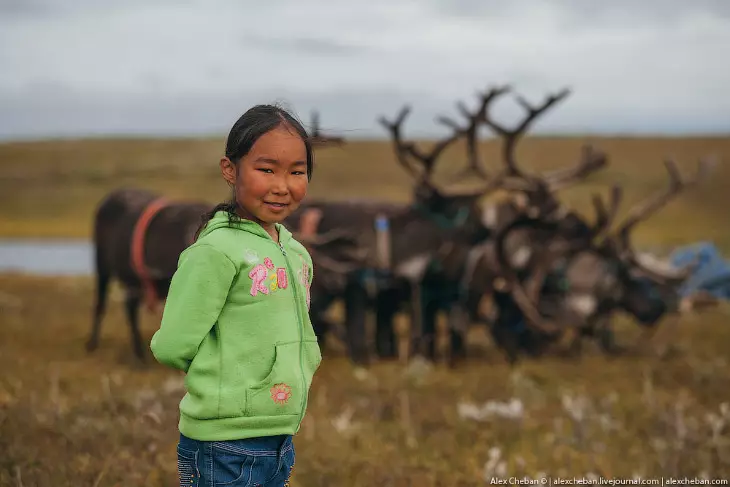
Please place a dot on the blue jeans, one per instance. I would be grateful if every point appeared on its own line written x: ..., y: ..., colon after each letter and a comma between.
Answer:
x: 253, y: 462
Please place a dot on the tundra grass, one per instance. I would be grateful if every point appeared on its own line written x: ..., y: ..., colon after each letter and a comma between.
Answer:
x: 68, y: 418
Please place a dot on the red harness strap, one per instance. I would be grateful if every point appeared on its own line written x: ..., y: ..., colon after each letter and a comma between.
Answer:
x: 138, y: 240
x: 309, y: 221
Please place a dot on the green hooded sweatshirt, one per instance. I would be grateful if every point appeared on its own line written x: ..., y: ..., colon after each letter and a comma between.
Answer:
x: 236, y: 320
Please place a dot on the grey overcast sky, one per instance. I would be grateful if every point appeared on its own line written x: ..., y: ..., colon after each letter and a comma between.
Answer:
x: 187, y: 67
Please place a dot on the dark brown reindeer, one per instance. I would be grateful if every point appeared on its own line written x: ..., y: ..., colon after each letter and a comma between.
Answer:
x: 578, y: 287
x: 162, y: 230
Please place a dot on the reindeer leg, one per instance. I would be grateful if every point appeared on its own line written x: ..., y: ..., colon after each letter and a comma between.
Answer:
x: 430, y: 309
x: 416, y: 320
x: 356, y: 306
x: 607, y: 338
x: 131, y: 304
x: 506, y: 341
x: 386, y: 308
x: 503, y: 330
x: 102, y: 287
x: 458, y: 326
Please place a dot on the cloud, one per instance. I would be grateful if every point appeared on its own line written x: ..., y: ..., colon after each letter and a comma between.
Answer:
x: 311, y: 45
x: 163, y: 66
x: 591, y: 14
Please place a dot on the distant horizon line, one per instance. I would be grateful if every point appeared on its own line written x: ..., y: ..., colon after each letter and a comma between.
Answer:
x: 359, y: 137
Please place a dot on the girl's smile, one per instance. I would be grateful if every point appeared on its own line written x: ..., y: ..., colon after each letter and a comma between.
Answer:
x: 276, y: 207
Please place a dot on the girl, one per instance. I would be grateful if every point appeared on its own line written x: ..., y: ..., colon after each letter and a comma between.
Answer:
x: 236, y: 318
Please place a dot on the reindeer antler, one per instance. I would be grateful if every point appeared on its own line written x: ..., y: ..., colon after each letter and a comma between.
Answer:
x: 527, y: 297
x: 604, y: 217
x: 317, y: 139
x: 591, y: 161
x: 512, y: 135
x: 539, y: 189
x: 407, y: 153
x: 645, y: 209
x: 471, y: 131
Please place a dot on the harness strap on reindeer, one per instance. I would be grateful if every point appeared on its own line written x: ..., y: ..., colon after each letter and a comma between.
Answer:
x: 443, y: 221
x: 380, y: 273
x: 382, y: 232
x: 150, y: 295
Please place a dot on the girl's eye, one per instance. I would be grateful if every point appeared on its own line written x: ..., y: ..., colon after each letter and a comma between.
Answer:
x: 264, y: 169
x: 298, y: 173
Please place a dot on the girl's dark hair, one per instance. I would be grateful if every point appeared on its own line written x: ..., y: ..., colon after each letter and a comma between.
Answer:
x: 256, y: 122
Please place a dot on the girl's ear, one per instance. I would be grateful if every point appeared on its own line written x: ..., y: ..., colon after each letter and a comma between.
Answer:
x: 228, y: 170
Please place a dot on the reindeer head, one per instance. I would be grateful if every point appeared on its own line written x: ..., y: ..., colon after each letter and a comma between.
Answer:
x: 649, y: 286
x: 601, y: 273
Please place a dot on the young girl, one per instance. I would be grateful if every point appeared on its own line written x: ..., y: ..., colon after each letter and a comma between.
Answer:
x: 236, y: 318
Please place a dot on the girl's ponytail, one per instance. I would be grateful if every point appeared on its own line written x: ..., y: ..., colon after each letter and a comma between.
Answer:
x: 229, y: 207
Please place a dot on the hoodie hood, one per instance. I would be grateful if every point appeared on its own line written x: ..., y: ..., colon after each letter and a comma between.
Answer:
x: 221, y: 219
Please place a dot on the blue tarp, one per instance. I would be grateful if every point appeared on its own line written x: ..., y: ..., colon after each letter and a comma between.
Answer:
x: 712, y: 273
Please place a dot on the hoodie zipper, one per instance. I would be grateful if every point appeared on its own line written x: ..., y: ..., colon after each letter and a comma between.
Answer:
x: 301, y: 331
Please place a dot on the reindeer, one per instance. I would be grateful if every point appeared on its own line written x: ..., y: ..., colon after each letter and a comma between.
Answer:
x: 145, y: 267
x: 576, y: 286
x: 537, y: 198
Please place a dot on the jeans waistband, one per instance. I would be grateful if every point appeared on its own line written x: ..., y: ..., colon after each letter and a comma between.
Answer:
x: 273, y: 444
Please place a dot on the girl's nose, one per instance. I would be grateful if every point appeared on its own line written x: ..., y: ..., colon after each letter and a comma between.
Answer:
x: 279, y: 186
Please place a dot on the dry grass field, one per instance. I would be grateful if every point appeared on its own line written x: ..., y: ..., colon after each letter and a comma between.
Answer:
x: 72, y: 419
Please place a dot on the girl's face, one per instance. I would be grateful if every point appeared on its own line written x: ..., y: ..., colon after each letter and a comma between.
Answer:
x: 271, y: 180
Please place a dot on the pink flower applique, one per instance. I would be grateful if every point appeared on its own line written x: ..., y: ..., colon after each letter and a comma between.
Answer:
x: 280, y: 393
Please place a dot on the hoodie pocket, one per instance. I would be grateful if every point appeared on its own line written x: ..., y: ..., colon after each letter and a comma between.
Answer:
x: 280, y: 393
